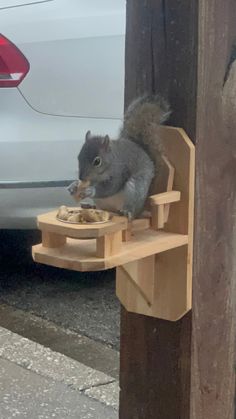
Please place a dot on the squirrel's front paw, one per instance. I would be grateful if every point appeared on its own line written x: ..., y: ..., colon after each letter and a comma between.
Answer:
x: 88, y: 192
x: 80, y: 190
x: 127, y: 213
x: 73, y: 187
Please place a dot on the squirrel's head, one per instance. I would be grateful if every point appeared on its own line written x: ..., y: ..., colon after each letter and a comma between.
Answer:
x: 95, y: 158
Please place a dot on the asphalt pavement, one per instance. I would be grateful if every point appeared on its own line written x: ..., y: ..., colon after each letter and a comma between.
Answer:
x: 81, y: 302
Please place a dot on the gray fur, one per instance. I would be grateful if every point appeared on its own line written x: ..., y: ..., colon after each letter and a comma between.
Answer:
x: 125, y: 167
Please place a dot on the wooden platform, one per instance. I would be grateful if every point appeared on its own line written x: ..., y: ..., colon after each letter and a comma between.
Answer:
x: 153, y: 255
x: 80, y: 255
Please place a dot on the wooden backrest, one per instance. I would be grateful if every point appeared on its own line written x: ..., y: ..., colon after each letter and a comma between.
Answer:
x: 164, y: 179
x: 177, y: 172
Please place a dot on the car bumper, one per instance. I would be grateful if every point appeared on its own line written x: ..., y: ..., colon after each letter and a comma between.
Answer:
x: 21, y: 202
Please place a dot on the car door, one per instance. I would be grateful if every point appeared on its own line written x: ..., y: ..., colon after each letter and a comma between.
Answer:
x: 75, y: 49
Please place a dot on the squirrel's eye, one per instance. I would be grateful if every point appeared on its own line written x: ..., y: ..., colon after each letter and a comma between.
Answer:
x: 97, y: 161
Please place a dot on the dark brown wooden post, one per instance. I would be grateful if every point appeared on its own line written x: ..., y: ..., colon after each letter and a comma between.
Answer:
x: 186, y: 50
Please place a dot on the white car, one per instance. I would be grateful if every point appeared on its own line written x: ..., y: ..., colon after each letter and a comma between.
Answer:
x: 61, y: 74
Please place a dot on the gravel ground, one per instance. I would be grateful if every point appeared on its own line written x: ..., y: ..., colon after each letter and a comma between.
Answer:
x: 81, y: 302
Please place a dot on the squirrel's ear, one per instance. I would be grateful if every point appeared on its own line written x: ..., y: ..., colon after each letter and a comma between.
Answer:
x: 106, y: 142
x: 88, y: 136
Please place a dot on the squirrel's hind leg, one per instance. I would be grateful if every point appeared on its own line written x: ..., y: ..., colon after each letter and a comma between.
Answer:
x: 135, y: 194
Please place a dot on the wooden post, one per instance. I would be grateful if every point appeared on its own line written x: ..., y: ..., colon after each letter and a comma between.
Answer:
x: 186, y: 51
x: 109, y: 244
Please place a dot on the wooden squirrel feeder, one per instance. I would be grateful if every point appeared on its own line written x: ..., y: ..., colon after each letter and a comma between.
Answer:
x: 153, y: 255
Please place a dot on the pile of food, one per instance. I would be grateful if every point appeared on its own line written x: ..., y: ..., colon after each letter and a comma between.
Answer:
x: 82, y: 215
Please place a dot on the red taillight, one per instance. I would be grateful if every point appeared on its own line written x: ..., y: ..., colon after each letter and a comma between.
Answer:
x: 13, y: 64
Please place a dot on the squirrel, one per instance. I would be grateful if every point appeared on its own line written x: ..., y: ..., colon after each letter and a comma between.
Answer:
x: 118, y: 173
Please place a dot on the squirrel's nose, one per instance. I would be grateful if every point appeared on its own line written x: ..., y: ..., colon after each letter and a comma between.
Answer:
x: 84, y: 179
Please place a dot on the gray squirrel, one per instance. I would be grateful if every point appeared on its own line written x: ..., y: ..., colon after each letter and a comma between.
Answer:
x: 119, y: 172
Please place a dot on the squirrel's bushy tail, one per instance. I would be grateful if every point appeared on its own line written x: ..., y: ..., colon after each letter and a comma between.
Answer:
x: 142, y: 116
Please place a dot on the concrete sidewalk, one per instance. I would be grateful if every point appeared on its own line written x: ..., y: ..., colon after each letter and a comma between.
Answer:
x: 37, y: 383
